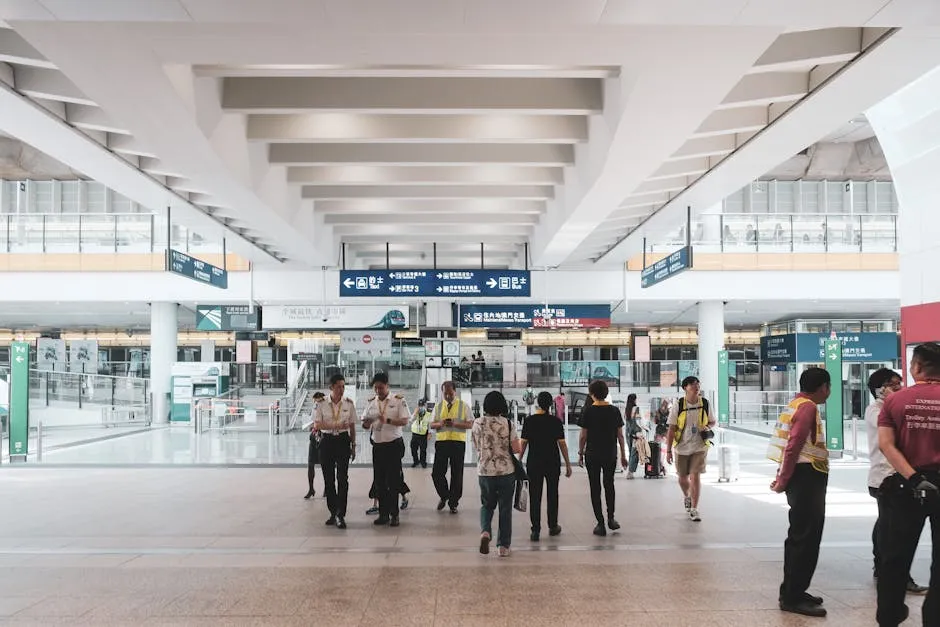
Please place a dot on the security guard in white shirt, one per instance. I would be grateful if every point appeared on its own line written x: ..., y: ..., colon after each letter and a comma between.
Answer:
x: 385, y: 416
x: 335, y: 419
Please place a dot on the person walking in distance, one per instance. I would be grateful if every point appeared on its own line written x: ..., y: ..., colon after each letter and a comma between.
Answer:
x: 335, y: 419
x: 420, y: 423
x: 313, y: 454
x: 690, y: 429
x: 799, y: 446
x: 451, y: 421
x: 601, y: 433
x: 910, y: 440
x: 882, y: 383
x: 544, y: 436
x: 632, y: 431
x: 385, y: 416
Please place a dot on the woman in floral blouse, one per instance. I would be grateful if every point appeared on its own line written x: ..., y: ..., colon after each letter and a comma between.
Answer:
x: 493, y: 436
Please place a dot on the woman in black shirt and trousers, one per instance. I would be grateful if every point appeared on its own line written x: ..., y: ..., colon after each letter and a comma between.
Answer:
x: 601, y: 433
x: 544, y: 435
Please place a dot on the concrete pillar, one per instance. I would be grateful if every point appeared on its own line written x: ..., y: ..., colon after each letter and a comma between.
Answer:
x: 907, y: 129
x: 438, y: 314
x: 710, y: 219
x: 711, y: 339
x: 207, y: 351
x: 163, y: 330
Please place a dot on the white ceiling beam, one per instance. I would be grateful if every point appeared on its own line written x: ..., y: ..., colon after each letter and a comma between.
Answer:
x: 728, y: 121
x: 461, y: 219
x: 353, y: 127
x: 428, y: 238
x: 128, y: 144
x: 422, y: 154
x: 698, y: 147
x: 566, y: 96
x: 156, y: 166
x: 92, y: 118
x: 15, y: 49
x: 425, y: 175
x: 676, y: 183
x: 37, y: 82
x: 477, y: 206
x: 684, y: 167
x: 312, y: 70
x: 767, y: 88
x: 398, y: 248
x: 443, y: 231
x: 802, y: 50
x: 339, y: 192
x: 897, y: 60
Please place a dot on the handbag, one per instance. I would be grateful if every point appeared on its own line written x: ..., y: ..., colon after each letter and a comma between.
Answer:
x: 520, y: 501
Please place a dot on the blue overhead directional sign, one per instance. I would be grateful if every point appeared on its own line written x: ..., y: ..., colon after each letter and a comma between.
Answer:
x: 429, y: 283
x: 192, y: 268
x: 667, y: 267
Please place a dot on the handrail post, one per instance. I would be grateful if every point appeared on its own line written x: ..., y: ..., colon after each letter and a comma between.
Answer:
x: 39, y: 441
x: 855, y: 438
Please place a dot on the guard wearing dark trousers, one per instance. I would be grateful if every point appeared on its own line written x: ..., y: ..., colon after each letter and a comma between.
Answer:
x: 799, y: 446
x: 420, y: 424
x: 910, y: 442
x: 385, y: 416
x: 451, y: 421
x: 313, y: 452
x: 335, y: 419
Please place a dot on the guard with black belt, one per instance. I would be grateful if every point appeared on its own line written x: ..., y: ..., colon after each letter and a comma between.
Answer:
x: 909, y: 436
x: 335, y: 419
x: 385, y: 416
x: 451, y: 421
x: 313, y: 455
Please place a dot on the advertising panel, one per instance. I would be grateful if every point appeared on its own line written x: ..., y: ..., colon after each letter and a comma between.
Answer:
x: 372, y: 343
x: 332, y: 317
x: 50, y: 354
x: 226, y: 318
x: 83, y: 356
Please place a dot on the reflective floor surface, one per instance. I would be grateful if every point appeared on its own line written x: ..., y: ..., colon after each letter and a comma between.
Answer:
x: 239, y: 546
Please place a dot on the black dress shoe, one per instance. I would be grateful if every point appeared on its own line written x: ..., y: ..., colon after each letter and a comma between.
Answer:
x: 331, y: 521
x: 804, y: 607
x: 534, y: 536
x: 310, y: 494
x: 613, y: 524
x: 599, y: 530
x: 381, y: 520
x: 441, y: 504
x: 453, y: 509
x: 555, y: 531
x: 340, y: 522
x: 393, y: 521
x: 913, y: 588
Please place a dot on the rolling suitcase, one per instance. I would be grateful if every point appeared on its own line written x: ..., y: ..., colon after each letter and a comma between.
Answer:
x: 654, y: 465
x: 729, y: 463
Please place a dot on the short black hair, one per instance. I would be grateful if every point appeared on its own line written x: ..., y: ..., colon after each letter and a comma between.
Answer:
x: 927, y: 355
x: 814, y: 378
x: 598, y: 389
x: 544, y: 400
x: 495, y: 404
x: 689, y: 381
x: 379, y: 377
x: 880, y: 378
x: 449, y: 384
x: 336, y: 378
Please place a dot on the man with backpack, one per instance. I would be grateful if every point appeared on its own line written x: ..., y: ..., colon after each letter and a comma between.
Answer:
x: 690, y: 433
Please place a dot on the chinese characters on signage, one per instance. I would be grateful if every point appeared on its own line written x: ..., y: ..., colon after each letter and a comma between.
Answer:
x: 534, y: 316
x: 667, y: 267
x: 434, y: 283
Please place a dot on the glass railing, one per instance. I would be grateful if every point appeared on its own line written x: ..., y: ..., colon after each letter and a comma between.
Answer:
x: 96, y: 233
x: 798, y: 232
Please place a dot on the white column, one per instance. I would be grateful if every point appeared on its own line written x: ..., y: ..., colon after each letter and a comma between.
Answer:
x: 207, y: 351
x: 438, y: 314
x: 710, y: 219
x: 163, y: 330
x: 711, y: 339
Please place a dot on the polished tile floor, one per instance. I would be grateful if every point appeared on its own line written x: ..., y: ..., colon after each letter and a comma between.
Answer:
x: 238, y: 546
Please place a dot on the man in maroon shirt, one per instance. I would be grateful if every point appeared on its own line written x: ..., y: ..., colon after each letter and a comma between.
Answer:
x: 804, y: 476
x: 909, y: 436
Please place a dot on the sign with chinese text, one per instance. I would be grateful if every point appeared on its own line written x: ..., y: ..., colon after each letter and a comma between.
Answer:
x: 533, y: 316
x: 192, y: 268
x: 667, y: 267
x: 373, y: 343
x: 19, y: 400
x: 724, y: 392
x: 226, y: 318
x: 429, y: 283
x: 334, y: 317
x: 834, y: 428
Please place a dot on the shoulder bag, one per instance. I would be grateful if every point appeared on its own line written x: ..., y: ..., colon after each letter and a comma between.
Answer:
x: 521, y: 497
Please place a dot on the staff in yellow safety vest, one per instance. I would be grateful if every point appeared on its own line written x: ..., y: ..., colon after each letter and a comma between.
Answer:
x: 798, y: 444
x: 420, y: 423
x: 451, y: 421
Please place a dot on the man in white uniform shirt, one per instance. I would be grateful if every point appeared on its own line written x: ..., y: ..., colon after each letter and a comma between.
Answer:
x: 882, y: 383
x: 335, y: 419
x: 385, y: 416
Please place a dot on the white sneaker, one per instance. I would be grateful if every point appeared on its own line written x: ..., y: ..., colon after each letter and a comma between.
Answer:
x: 630, y: 475
x: 693, y: 515
x: 688, y: 503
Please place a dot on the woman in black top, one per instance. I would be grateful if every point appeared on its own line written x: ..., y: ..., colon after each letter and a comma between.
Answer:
x: 544, y: 435
x: 632, y: 429
x: 601, y: 433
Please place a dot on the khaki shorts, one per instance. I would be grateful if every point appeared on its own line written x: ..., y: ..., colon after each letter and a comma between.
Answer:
x: 693, y: 464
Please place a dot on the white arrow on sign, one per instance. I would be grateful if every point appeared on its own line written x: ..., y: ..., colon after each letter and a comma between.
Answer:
x: 349, y: 283
x: 440, y: 289
x: 491, y: 283
x: 19, y: 359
